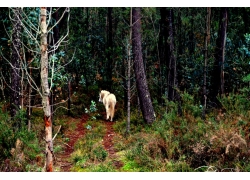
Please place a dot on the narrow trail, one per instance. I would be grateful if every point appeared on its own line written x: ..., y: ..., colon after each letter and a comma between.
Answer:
x: 63, y: 157
x: 79, y: 132
x: 109, y: 146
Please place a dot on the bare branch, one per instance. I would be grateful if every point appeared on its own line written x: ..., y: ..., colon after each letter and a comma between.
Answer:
x: 56, y: 133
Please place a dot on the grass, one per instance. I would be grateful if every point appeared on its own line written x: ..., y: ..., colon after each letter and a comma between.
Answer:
x: 89, y: 149
x: 171, y: 144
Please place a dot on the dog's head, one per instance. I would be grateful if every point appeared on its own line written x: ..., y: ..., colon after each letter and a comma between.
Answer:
x: 102, y: 94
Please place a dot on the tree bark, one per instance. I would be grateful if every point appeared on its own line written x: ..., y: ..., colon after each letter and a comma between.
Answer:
x: 207, y: 40
x: 29, y: 57
x: 173, y: 94
x: 46, y: 92
x: 129, y: 74
x: 141, y: 81
x: 162, y: 53
x: 218, y: 74
x: 171, y: 63
x: 15, y: 61
x: 110, y: 50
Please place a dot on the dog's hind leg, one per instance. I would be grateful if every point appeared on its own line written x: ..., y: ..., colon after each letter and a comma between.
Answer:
x: 112, y: 109
x: 107, y: 112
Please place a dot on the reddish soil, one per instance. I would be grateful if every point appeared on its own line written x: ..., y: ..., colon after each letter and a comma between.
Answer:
x: 73, y: 136
x: 108, y: 144
x: 79, y: 132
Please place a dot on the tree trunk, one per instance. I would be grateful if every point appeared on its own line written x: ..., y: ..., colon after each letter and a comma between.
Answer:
x: 69, y: 97
x: 171, y: 58
x: 223, y: 43
x: 110, y: 50
x: 207, y: 40
x: 129, y: 74
x: 29, y: 57
x: 15, y: 61
x: 141, y: 81
x: 173, y: 94
x: 162, y: 53
x: 218, y: 74
x: 46, y: 92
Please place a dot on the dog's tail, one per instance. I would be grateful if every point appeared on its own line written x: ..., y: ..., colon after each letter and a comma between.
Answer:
x: 112, y: 109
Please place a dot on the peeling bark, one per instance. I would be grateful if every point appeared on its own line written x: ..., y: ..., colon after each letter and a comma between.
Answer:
x: 46, y: 92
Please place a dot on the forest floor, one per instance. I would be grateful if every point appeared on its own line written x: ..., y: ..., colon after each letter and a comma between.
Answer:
x: 63, y: 158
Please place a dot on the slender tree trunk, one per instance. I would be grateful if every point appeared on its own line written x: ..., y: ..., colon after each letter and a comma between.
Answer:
x: 29, y: 108
x: 141, y: 81
x: 46, y: 92
x: 173, y: 94
x: 162, y: 52
x: 125, y: 92
x: 15, y: 61
x: 22, y: 86
x: 110, y: 49
x: 207, y: 40
x: 223, y: 39
x: 171, y: 58
x: 69, y: 95
x: 129, y: 73
x: 2, y: 89
x: 218, y: 74
x: 179, y: 51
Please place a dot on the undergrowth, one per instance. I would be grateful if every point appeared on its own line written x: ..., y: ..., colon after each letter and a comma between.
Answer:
x: 20, y: 148
x: 172, y: 143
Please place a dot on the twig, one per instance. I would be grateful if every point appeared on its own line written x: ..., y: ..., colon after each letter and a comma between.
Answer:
x: 68, y: 145
x: 57, y: 132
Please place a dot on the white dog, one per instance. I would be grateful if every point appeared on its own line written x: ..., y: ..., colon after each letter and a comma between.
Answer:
x: 109, y: 101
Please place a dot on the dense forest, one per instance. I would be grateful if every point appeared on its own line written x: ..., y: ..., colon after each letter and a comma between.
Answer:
x: 181, y: 78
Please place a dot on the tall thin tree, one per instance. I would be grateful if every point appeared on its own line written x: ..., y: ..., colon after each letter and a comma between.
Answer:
x: 129, y: 74
x: 162, y: 52
x: 207, y: 40
x: 171, y: 63
x: 15, y: 61
x: 173, y: 94
x: 218, y: 72
x: 141, y: 81
x: 110, y: 49
x: 46, y: 91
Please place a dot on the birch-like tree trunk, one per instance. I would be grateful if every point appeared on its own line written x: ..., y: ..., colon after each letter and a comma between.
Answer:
x: 129, y: 74
x: 141, y: 81
x: 46, y: 92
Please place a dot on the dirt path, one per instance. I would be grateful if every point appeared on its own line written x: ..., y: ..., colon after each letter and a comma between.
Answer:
x: 79, y: 132
x: 63, y: 158
x: 109, y: 146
